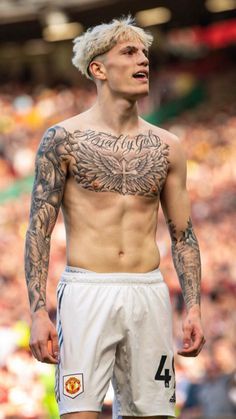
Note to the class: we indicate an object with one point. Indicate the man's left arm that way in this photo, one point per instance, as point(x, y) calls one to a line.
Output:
point(185, 249)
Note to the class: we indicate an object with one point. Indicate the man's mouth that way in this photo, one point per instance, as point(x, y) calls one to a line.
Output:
point(142, 75)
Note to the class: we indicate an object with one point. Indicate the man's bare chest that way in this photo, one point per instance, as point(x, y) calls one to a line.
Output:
point(102, 162)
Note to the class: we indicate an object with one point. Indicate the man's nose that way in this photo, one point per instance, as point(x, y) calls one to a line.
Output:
point(143, 59)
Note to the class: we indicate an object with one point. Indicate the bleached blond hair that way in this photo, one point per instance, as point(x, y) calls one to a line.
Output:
point(101, 38)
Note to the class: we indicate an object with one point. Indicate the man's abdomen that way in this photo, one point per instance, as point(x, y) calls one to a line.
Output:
point(107, 232)
point(102, 256)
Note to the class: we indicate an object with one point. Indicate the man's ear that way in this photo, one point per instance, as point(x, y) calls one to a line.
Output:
point(97, 70)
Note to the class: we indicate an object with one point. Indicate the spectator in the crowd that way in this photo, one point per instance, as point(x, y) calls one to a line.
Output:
point(211, 397)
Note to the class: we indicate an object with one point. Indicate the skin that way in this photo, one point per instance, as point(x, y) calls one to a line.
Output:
point(109, 171)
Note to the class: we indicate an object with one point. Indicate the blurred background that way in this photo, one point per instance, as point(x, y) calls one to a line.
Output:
point(193, 94)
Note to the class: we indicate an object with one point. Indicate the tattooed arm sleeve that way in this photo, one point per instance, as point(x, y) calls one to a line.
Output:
point(46, 199)
point(185, 249)
point(186, 257)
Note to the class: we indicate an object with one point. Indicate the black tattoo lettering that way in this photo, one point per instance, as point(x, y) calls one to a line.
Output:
point(186, 257)
point(105, 163)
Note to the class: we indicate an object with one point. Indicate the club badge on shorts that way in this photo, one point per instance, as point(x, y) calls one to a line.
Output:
point(73, 385)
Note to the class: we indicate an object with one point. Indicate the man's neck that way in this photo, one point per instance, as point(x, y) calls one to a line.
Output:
point(119, 115)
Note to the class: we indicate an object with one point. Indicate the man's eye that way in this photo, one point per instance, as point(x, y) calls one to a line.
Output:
point(130, 52)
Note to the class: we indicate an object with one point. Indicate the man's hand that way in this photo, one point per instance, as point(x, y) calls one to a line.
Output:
point(193, 339)
point(44, 340)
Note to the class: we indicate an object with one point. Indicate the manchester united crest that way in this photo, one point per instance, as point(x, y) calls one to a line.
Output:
point(73, 385)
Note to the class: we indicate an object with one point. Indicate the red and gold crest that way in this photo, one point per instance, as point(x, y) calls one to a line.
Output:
point(72, 385)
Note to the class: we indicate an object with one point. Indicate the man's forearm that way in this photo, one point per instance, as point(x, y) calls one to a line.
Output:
point(186, 257)
point(37, 249)
point(36, 268)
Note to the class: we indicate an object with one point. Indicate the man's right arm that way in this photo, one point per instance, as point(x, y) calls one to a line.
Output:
point(47, 194)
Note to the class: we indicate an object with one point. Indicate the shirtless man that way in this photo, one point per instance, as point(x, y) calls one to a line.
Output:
point(108, 169)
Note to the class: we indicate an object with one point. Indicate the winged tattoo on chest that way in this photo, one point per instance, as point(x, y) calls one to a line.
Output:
point(102, 162)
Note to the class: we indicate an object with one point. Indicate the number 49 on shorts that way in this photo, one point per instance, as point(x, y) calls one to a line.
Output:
point(163, 374)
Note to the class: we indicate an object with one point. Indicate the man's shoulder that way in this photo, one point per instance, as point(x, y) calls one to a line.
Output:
point(60, 132)
point(70, 125)
point(57, 137)
point(176, 152)
point(164, 135)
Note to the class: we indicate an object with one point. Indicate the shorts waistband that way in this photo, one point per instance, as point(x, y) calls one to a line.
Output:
point(81, 275)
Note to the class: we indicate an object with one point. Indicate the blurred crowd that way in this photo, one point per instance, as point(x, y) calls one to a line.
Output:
point(206, 385)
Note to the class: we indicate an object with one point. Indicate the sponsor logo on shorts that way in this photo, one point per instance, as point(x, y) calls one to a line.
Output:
point(173, 398)
point(73, 385)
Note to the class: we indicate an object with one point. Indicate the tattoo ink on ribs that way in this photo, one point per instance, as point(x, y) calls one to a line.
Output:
point(186, 257)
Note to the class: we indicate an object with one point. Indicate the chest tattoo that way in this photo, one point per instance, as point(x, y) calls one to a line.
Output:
point(102, 162)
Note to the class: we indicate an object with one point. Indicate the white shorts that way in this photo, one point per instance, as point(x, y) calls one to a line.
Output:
point(115, 326)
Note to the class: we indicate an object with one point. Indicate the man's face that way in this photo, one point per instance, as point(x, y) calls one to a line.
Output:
point(127, 69)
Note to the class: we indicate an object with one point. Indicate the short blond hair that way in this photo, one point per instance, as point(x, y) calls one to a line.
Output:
point(101, 38)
